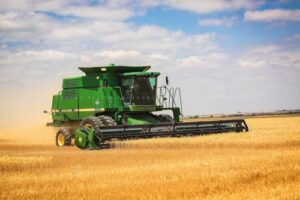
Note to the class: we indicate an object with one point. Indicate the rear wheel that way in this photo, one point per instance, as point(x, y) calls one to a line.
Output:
point(63, 137)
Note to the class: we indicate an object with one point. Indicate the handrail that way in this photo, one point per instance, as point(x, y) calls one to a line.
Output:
point(169, 97)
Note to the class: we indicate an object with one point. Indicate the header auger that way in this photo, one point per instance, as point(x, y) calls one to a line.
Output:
point(121, 102)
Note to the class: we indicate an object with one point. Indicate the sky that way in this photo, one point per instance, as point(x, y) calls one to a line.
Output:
point(227, 56)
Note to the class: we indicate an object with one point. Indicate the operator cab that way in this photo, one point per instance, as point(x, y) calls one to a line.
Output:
point(139, 88)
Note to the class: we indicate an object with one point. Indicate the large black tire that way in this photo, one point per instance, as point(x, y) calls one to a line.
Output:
point(165, 118)
point(107, 120)
point(95, 123)
point(63, 137)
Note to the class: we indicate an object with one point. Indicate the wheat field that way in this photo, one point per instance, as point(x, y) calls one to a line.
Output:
point(261, 164)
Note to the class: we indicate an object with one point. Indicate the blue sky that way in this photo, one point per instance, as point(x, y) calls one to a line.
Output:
point(236, 36)
point(226, 55)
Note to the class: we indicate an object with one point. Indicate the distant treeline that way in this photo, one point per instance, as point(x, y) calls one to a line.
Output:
point(240, 114)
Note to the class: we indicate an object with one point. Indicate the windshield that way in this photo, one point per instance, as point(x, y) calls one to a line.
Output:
point(139, 90)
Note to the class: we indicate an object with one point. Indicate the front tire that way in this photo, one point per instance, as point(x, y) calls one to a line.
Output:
point(93, 122)
point(107, 120)
point(63, 137)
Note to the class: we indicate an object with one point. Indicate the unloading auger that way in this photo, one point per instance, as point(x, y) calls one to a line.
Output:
point(122, 102)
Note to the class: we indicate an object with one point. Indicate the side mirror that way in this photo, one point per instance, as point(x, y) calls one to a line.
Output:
point(167, 80)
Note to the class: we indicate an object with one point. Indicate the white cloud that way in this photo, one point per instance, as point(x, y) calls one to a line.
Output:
point(294, 37)
point(41, 38)
point(117, 54)
point(124, 9)
point(251, 63)
point(210, 5)
point(99, 12)
point(272, 15)
point(102, 10)
point(265, 49)
point(70, 33)
point(22, 26)
point(159, 56)
point(33, 57)
point(226, 21)
point(270, 56)
point(46, 55)
point(209, 61)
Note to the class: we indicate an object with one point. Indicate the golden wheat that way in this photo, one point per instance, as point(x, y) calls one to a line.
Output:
point(261, 164)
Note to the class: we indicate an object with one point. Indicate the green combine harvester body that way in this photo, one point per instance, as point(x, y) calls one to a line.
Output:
point(121, 102)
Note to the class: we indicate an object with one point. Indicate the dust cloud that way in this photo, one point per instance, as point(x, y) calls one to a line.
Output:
point(23, 106)
point(22, 120)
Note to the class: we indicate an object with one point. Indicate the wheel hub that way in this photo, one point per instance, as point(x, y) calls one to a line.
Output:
point(60, 139)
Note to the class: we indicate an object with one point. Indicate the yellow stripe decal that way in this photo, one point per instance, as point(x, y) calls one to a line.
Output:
point(86, 109)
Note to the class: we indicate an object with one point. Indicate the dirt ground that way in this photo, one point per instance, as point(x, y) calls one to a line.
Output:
point(261, 164)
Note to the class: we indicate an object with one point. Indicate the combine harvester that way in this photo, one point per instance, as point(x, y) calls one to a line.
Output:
point(121, 102)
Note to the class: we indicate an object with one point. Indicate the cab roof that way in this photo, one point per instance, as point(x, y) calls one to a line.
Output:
point(113, 69)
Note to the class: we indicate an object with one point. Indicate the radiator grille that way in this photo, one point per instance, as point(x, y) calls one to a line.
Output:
point(70, 94)
point(72, 83)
